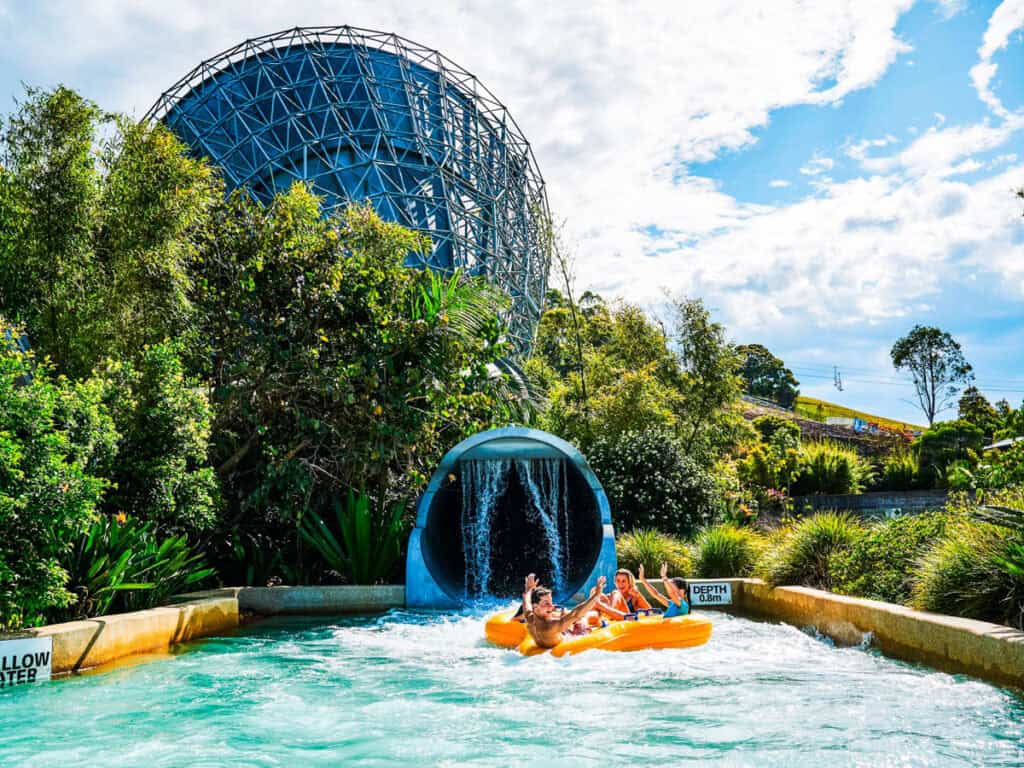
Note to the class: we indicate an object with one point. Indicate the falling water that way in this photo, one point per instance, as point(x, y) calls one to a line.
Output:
point(542, 480)
point(484, 482)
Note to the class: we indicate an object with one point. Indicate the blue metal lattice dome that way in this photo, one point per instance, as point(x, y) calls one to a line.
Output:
point(365, 115)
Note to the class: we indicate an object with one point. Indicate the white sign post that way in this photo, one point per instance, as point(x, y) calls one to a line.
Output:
point(710, 592)
point(26, 660)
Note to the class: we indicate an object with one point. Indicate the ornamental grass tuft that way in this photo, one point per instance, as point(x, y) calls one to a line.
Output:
point(726, 551)
point(799, 554)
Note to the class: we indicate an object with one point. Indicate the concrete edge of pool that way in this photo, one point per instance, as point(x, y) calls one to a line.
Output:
point(989, 651)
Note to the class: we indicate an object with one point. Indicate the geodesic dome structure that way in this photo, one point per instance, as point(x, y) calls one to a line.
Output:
point(365, 115)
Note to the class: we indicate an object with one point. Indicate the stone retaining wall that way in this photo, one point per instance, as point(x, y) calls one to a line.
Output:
point(874, 504)
point(79, 645)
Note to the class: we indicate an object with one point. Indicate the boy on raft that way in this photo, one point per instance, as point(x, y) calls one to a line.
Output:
point(676, 603)
point(544, 626)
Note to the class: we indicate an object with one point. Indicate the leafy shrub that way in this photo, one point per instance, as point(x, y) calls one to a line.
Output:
point(880, 565)
point(943, 444)
point(724, 551)
point(766, 466)
point(964, 574)
point(652, 483)
point(778, 431)
point(163, 471)
point(369, 545)
point(124, 565)
point(800, 555)
point(830, 467)
point(54, 436)
point(650, 549)
point(993, 470)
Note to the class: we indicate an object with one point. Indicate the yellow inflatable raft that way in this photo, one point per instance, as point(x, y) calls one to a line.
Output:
point(648, 632)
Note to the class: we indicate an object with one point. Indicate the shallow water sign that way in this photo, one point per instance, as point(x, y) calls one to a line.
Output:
point(27, 660)
point(710, 593)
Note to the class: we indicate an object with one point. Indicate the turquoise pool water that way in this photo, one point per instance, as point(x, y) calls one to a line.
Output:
point(418, 689)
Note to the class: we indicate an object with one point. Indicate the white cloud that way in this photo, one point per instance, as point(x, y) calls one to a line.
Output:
point(817, 164)
point(938, 151)
point(778, 183)
point(1005, 20)
point(950, 8)
point(858, 150)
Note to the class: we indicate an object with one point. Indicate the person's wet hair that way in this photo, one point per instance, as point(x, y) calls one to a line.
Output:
point(535, 596)
point(682, 586)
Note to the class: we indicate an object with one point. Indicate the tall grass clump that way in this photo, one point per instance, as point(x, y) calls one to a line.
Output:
point(977, 569)
point(964, 575)
point(881, 564)
point(900, 471)
point(799, 555)
point(651, 548)
point(831, 467)
point(725, 551)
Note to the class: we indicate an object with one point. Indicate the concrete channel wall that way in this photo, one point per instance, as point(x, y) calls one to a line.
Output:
point(989, 651)
point(79, 645)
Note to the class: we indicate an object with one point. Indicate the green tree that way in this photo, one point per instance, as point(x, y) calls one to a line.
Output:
point(765, 375)
point(975, 408)
point(163, 417)
point(651, 482)
point(334, 366)
point(709, 378)
point(99, 218)
point(936, 365)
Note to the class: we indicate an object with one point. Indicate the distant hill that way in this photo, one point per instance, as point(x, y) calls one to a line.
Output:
point(819, 410)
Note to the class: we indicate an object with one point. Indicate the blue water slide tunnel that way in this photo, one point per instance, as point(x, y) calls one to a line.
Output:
point(436, 564)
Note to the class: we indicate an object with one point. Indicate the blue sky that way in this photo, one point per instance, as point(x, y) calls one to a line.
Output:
point(825, 175)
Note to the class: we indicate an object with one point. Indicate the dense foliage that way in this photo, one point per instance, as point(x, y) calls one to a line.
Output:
point(55, 441)
point(881, 564)
point(652, 483)
point(800, 554)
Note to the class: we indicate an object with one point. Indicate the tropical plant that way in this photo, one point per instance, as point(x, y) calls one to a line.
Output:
point(724, 551)
point(652, 483)
point(881, 564)
point(125, 565)
point(992, 470)
point(800, 554)
point(333, 364)
point(831, 467)
point(650, 548)
point(366, 545)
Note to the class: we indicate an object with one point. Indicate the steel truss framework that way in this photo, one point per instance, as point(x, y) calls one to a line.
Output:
point(366, 115)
